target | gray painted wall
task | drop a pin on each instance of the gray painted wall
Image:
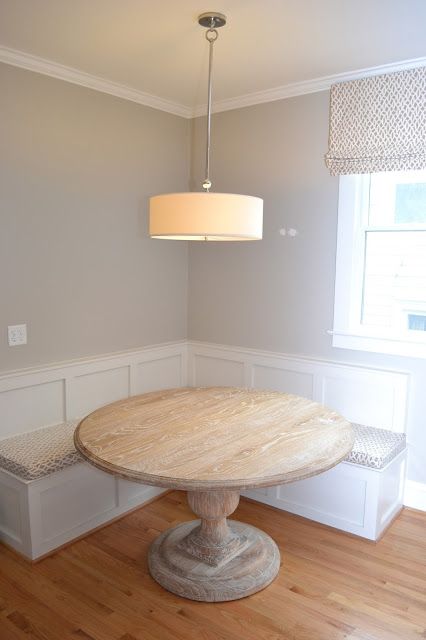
(278, 294)
(76, 169)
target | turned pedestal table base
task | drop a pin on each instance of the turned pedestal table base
(212, 442)
(214, 559)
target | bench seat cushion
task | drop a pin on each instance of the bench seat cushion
(375, 448)
(38, 453)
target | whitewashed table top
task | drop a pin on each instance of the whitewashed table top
(214, 438)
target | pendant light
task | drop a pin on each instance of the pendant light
(205, 215)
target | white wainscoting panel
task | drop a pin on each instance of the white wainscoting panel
(276, 379)
(151, 375)
(349, 497)
(26, 408)
(42, 515)
(97, 496)
(374, 397)
(129, 492)
(210, 371)
(10, 511)
(34, 398)
(314, 495)
(93, 390)
(365, 396)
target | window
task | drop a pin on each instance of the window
(380, 298)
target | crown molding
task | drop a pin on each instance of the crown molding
(307, 86)
(75, 76)
(69, 74)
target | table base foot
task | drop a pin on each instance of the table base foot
(253, 565)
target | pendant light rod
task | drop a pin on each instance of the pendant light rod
(207, 182)
(212, 21)
(206, 216)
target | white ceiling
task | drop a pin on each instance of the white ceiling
(157, 47)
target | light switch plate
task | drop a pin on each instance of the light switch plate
(17, 334)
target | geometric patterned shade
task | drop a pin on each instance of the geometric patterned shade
(378, 124)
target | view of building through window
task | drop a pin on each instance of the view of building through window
(394, 283)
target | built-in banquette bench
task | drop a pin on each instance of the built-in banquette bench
(58, 497)
(361, 495)
(49, 496)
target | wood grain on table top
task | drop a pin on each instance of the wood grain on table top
(214, 437)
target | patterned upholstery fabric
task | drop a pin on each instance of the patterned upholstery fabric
(375, 448)
(38, 453)
(378, 123)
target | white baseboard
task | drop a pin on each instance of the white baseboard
(415, 495)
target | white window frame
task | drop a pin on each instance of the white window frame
(348, 332)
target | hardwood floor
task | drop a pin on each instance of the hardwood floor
(331, 586)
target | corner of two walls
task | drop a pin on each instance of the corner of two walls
(77, 169)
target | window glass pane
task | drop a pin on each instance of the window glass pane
(416, 322)
(394, 278)
(397, 197)
(410, 202)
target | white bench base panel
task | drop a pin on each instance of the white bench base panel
(39, 516)
(349, 497)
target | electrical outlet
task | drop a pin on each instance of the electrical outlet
(17, 334)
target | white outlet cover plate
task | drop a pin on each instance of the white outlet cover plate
(17, 334)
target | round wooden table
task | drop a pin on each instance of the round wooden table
(213, 442)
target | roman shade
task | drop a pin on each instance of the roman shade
(378, 124)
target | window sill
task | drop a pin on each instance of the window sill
(376, 344)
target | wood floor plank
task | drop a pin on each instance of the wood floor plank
(331, 586)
